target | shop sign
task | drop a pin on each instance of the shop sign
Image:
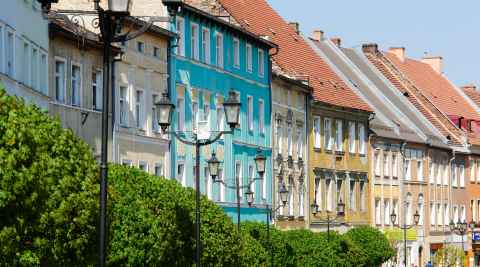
(476, 236)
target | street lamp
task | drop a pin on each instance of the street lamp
(232, 112)
(416, 220)
(283, 194)
(120, 6)
(260, 162)
(340, 213)
(460, 228)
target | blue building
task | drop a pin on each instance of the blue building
(213, 57)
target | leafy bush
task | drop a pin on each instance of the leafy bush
(449, 256)
(373, 242)
(48, 190)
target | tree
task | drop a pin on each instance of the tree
(48, 190)
(449, 256)
(373, 243)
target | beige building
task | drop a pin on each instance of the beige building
(289, 116)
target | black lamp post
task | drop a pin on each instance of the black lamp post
(283, 192)
(405, 227)
(164, 117)
(340, 213)
(110, 23)
(460, 228)
(260, 163)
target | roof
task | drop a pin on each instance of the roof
(294, 56)
(436, 87)
(473, 94)
(222, 22)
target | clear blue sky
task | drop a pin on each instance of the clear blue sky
(440, 27)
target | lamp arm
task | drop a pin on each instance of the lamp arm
(230, 186)
(145, 27)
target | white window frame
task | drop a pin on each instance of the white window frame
(222, 185)
(154, 124)
(157, 52)
(34, 71)
(236, 53)
(420, 169)
(25, 69)
(453, 171)
(2, 47)
(43, 75)
(279, 136)
(140, 44)
(220, 113)
(144, 163)
(194, 43)
(408, 169)
(386, 164)
(249, 57)
(352, 136)
(250, 116)
(98, 92)
(140, 112)
(162, 169)
(181, 36)
(361, 139)
(446, 214)
(318, 193)
(206, 45)
(363, 196)
(431, 172)
(433, 215)
(127, 162)
(261, 63)
(461, 171)
(261, 116)
(80, 84)
(394, 165)
(183, 179)
(317, 125)
(11, 72)
(376, 162)
(472, 170)
(219, 51)
(208, 183)
(299, 146)
(339, 135)
(478, 172)
(238, 172)
(251, 178)
(195, 112)
(352, 195)
(378, 211)
(386, 211)
(64, 61)
(180, 108)
(328, 133)
(289, 140)
(126, 105)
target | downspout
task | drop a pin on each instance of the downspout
(115, 158)
(169, 92)
(371, 183)
(272, 119)
(307, 161)
(450, 187)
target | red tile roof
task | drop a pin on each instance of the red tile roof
(436, 87)
(473, 94)
(295, 56)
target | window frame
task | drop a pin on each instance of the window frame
(64, 61)
(140, 113)
(194, 41)
(250, 116)
(98, 85)
(317, 134)
(180, 51)
(140, 47)
(126, 105)
(249, 57)
(261, 62)
(219, 50)
(206, 47)
(80, 83)
(236, 52)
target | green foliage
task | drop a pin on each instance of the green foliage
(449, 256)
(153, 224)
(48, 190)
(373, 243)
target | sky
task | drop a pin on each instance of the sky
(446, 28)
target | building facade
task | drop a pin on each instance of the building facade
(212, 58)
(24, 51)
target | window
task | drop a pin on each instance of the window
(289, 140)
(156, 52)
(127, 162)
(473, 210)
(159, 170)
(194, 41)
(10, 54)
(206, 110)
(301, 199)
(454, 174)
(2, 45)
(445, 174)
(395, 208)
(180, 108)
(76, 83)
(438, 173)
(463, 213)
(351, 136)
(446, 215)
(264, 188)
(361, 138)
(181, 174)
(142, 165)
(339, 135)
(220, 114)
(318, 193)
(409, 213)
(330, 200)
(316, 131)
(408, 169)
(462, 174)
(478, 171)
(431, 172)
(420, 209)
(97, 90)
(139, 109)
(219, 50)
(261, 116)
(363, 196)
(249, 59)
(386, 164)
(206, 45)
(222, 186)
(279, 136)
(238, 177)
(26, 63)
(290, 196)
(376, 161)
(208, 182)
(386, 213)
(250, 113)
(472, 171)
(43, 79)
(299, 143)
(394, 165)
(60, 80)
(123, 106)
(34, 69)
(194, 114)
(289, 98)
(439, 214)
(251, 180)
(378, 218)
(155, 99)
(181, 37)
(432, 214)
(236, 53)
(328, 133)
(140, 47)
(419, 169)
(351, 196)
(261, 63)
(300, 101)
(455, 213)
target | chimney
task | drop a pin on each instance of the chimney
(434, 62)
(337, 41)
(370, 48)
(295, 25)
(470, 87)
(399, 52)
(317, 35)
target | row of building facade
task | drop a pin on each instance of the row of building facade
(373, 130)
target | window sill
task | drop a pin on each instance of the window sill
(317, 149)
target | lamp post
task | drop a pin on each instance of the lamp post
(405, 227)
(260, 163)
(460, 228)
(283, 192)
(164, 116)
(109, 21)
(340, 213)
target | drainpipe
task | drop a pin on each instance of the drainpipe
(169, 92)
(306, 180)
(450, 187)
(115, 151)
(271, 132)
